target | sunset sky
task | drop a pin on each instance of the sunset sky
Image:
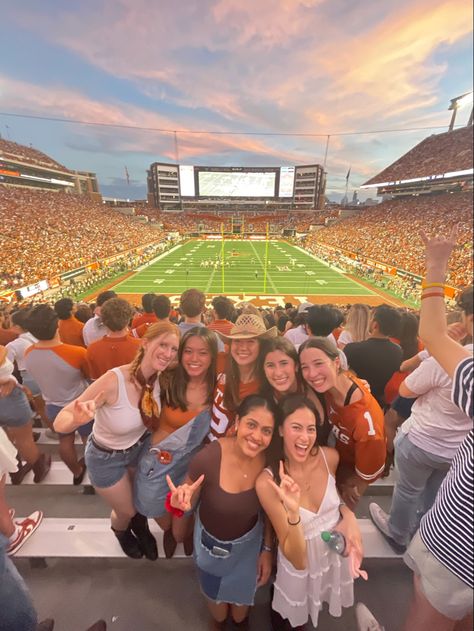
(262, 67)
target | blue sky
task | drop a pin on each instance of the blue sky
(272, 66)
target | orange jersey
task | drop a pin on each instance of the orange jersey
(360, 435)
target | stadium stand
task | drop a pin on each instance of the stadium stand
(389, 232)
(13, 151)
(45, 234)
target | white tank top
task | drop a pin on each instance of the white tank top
(119, 426)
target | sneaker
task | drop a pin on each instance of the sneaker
(366, 621)
(26, 527)
(51, 434)
(380, 520)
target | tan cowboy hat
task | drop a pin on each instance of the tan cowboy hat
(247, 326)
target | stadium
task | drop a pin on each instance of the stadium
(223, 402)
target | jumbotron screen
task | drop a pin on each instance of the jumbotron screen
(269, 182)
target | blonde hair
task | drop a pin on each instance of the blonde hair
(357, 323)
(153, 331)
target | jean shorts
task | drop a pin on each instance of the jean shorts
(84, 430)
(107, 468)
(15, 410)
(30, 383)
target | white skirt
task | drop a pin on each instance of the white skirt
(8, 461)
(300, 594)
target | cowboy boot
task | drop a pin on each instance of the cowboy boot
(146, 541)
(128, 543)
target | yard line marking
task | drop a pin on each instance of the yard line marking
(263, 267)
(211, 278)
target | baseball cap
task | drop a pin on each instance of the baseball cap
(304, 306)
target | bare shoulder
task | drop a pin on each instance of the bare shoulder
(332, 458)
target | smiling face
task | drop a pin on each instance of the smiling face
(318, 370)
(196, 357)
(299, 434)
(280, 371)
(159, 352)
(254, 431)
(245, 352)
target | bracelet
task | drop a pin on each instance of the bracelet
(293, 523)
(425, 285)
(432, 294)
(176, 512)
(266, 548)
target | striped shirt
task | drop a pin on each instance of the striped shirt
(446, 529)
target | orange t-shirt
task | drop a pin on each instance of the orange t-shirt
(110, 352)
(360, 435)
(70, 332)
(172, 419)
(222, 419)
(143, 318)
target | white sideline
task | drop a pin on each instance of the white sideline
(59, 474)
(92, 538)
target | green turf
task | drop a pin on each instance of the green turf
(181, 268)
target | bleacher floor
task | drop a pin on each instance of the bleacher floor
(156, 596)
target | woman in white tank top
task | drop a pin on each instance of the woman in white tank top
(125, 403)
(298, 493)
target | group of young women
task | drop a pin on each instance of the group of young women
(230, 454)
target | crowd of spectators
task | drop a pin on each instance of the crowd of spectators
(13, 151)
(435, 155)
(45, 234)
(390, 232)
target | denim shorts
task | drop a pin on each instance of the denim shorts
(53, 410)
(15, 410)
(107, 468)
(30, 383)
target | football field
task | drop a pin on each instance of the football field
(251, 270)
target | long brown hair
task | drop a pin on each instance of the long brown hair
(175, 394)
(269, 346)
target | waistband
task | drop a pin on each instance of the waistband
(118, 451)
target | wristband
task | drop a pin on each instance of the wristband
(293, 523)
(432, 294)
(425, 285)
(176, 512)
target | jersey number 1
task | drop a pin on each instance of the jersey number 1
(368, 418)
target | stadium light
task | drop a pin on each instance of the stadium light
(457, 103)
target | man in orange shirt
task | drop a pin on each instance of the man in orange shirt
(223, 309)
(117, 347)
(70, 329)
(148, 316)
(161, 308)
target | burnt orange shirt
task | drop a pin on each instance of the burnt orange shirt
(360, 435)
(143, 318)
(172, 419)
(70, 332)
(110, 352)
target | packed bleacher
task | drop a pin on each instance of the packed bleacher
(10, 150)
(435, 155)
(45, 234)
(390, 232)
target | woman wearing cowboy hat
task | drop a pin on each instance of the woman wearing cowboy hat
(240, 378)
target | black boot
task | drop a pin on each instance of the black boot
(169, 543)
(128, 543)
(243, 624)
(146, 541)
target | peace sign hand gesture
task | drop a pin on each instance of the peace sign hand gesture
(84, 411)
(181, 496)
(288, 491)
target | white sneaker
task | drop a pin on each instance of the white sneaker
(25, 528)
(380, 519)
(366, 621)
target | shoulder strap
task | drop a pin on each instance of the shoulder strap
(349, 394)
(325, 459)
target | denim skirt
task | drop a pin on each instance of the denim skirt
(227, 570)
(169, 457)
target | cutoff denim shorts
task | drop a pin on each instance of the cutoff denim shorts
(15, 410)
(106, 469)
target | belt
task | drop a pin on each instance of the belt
(118, 451)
